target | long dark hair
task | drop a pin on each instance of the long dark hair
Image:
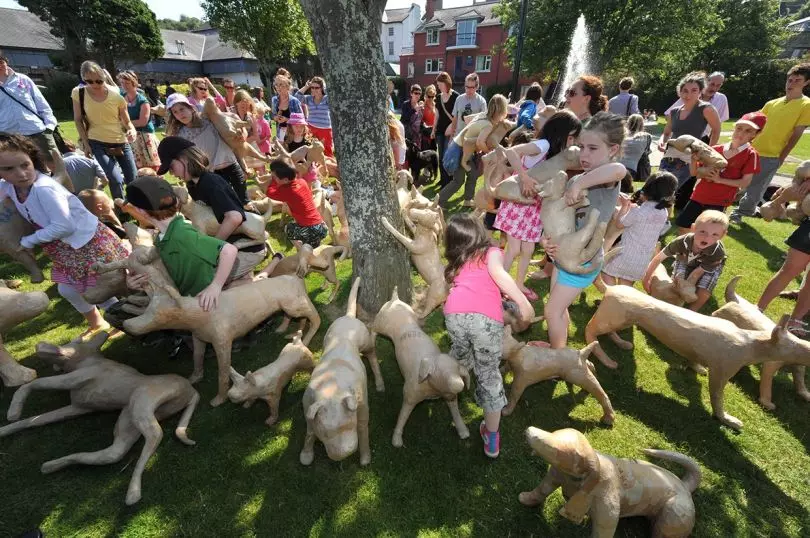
(466, 241)
(558, 128)
(13, 142)
(660, 187)
(593, 86)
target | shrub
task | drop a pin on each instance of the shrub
(57, 92)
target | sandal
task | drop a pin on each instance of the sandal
(538, 275)
(90, 333)
(530, 294)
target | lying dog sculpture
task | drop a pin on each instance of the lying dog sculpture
(531, 364)
(424, 249)
(306, 259)
(12, 228)
(336, 399)
(268, 383)
(747, 316)
(776, 207)
(608, 488)
(428, 372)
(710, 160)
(98, 384)
(238, 311)
(230, 128)
(16, 307)
(704, 341)
(202, 217)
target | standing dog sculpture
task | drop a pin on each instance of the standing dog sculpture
(230, 128)
(530, 365)
(16, 307)
(747, 316)
(98, 384)
(608, 488)
(320, 260)
(776, 207)
(268, 383)
(12, 228)
(428, 372)
(706, 342)
(336, 399)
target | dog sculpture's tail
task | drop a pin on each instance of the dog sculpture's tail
(182, 426)
(351, 309)
(584, 353)
(691, 480)
(731, 290)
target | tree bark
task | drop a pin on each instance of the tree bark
(347, 36)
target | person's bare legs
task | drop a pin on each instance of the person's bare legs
(512, 251)
(794, 264)
(526, 251)
(492, 420)
(802, 302)
(265, 273)
(556, 313)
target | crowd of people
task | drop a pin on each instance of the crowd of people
(116, 128)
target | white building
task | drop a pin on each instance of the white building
(396, 32)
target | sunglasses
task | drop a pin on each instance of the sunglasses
(202, 88)
(229, 87)
(416, 92)
(314, 87)
(96, 81)
(471, 87)
(570, 92)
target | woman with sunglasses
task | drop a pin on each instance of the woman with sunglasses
(230, 94)
(140, 113)
(411, 117)
(106, 132)
(283, 104)
(200, 89)
(318, 118)
(585, 98)
(429, 119)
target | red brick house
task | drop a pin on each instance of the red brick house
(458, 40)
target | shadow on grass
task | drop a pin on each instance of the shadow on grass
(753, 240)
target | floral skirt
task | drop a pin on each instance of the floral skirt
(72, 265)
(145, 150)
(520, 221)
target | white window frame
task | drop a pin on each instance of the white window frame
(464, 22)
(486, 63)
(390, 31)
(427, 37)
(390, 48)
(434, 65)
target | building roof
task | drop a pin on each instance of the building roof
(22, 29)
(799, 24)
(216, 49)
(445, 19)
(194, 45)
(396, 15)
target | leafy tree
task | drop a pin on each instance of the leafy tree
(185, 24)
(110, 30)
(274, 31)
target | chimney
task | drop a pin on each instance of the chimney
(431, 7)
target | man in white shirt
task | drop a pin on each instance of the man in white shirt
(624, 104)
(711, 94)
(24, 111)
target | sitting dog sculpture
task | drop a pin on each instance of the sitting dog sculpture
(424, 249)
(230, 128)
(428, 372)
(306, 259)
(13, 228)
(776, 207)
(747, 316)
(268, 383)
(98, 384)
(608, 488)
(710, 160)
(706, 342)
(531, 364)
(16, 307)
(336, 399)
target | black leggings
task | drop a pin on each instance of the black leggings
(236, 178)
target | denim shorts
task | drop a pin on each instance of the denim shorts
(452, 157)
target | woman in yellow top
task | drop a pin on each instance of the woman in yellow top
(101, 117)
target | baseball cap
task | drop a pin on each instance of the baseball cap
(168, 150)
(151, 193)
(175, 98)
(756, 120)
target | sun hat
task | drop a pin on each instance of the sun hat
(175, 98)
(756, 120)
(168, 150)
(297, 118)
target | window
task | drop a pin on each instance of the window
(465, 32)
(390, 31)
(390, 48)
(433, 36)
(410, 69)
(483, 63)
(434, 65)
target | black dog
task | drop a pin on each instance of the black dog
(424, 164)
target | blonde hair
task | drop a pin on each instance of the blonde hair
(430, 89)
(283, 80)
(635, 124)
(197, 162)
(192, 85)
(129, 76)
(712, 216)
(173, 125)
(90, 198)
(393, 128)
(243, 95)
(89, 67)
(610, 127)
(497, 106)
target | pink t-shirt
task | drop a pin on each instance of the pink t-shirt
(474, 291)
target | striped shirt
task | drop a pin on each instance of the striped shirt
(318, 113)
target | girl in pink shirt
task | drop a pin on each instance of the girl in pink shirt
(474, 315)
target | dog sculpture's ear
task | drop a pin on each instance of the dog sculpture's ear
(236, 377)
(250, 378)
(50, 351)
(426, 367)
(780, 328)
(350, 401)
(313, 410)
(395, 294)
(296, 338)
(465, 375)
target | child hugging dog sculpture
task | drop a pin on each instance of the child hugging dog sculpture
(777, 208)
(608, 488)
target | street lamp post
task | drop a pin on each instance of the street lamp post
(524, 7)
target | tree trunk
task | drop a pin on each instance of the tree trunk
(347, 36)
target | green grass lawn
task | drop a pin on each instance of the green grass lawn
(244, 479)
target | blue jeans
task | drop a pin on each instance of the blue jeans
(677, 168)
(441, 144)
(126, 162)
(759, 184)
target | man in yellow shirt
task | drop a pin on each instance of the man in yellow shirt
(788, 117)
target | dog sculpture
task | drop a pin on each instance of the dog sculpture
(230, 129)
(424, 249)
(304, 157)
(268, 383)
(16, 307)
(675, 292)
(306, 259)
(336, 399)
(13, 228)
(509, 189)
(428, 372)
(747, 316)
(776, 207)
(98, 384)
(608, 488)
(706, 342)
(531, 364)
(710, 160)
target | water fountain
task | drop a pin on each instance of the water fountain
(577, 63)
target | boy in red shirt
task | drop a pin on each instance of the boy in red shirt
(718, 190)
(308, 226)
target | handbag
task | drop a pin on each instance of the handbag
(55, 132)
(643, 168)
